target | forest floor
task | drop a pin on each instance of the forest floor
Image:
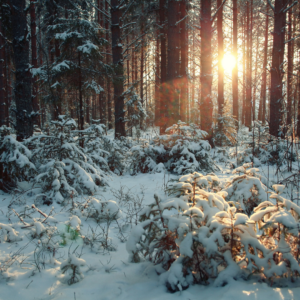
(31, 273)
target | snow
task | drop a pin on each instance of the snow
(112, 274)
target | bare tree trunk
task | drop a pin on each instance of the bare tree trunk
(183, 63)
(206, 104)
(235, 91)
(108, 82)
(2, 77)
(290, 70)
(276, 69)
(172, 67)
(118, 80)
(244, 72)
(220, 57)
(157, 77)
(24, 124)
(81, 112)
(248, 71)
(35, 101)
(262, 106)
(163, 70)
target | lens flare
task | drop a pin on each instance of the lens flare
(228, 62)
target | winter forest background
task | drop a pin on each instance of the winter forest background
(149, 146)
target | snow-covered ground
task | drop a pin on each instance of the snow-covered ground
(28, 273)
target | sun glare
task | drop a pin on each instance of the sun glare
(228, 62)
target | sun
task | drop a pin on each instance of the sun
(228, 62)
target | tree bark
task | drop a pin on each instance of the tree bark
(276, 69)
(118, 80)
(35, 101)
(290, 70)
(262, 106)
(206, 104)
(163, 68)
(235, 91)
(2, 77)
(183, 63)
(24, 120)
(220, 57)
(248, 70)
(171, 93)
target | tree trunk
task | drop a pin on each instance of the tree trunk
(183, 63)
(206, 104)
(108, 82)
(248, 71)
(157, 77)
(81, 112)
(24, 120)
(35, 101)
(171, 93)
(220, 57)
(235, 91)
(118, 80)
(290, 70)
(276, 69)
(163, 68)
(2, 77)
(262, 106)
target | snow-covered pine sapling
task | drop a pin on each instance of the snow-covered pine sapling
(53, 183)
(71, 268)
(189, 185)
(15, 158)
(280, 225)
(186, 149)
(64, 164)
(94, 145)
(246, 191)
(144, 158)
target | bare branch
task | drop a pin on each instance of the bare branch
(288, 8)
(215, 15)
(273, 8)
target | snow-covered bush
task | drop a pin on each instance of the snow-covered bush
(101, 211)
(246, 191)
(145, 157)
(53, 183)
(71, 268)
(95, 140)
(117, 152)
(15, 158)
(186, 151)
(64, 167)
(203, 236)
(226, 131)
(9, 234)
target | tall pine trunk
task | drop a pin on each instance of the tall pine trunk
(118, 80)
(220, 57)
(248, 69)
(206, 104)
(235, 92)
(2, 77)
(263, 97)
(276, 69)
(22, 91)
(163, 68)
(172, 67)
(183, 63)
(290, 70)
